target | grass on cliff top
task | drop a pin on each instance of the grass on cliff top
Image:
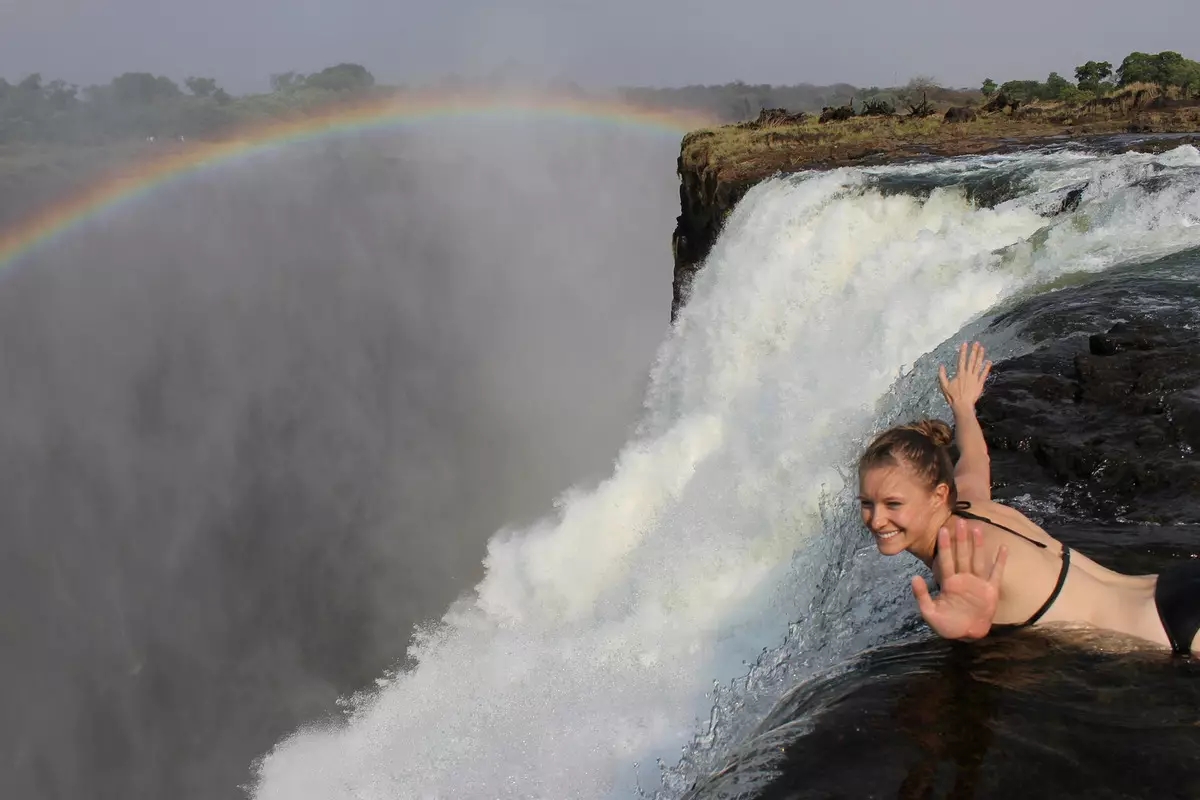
(747, 151)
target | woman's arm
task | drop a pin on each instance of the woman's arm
(973, 473)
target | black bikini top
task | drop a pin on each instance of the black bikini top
(962, 509)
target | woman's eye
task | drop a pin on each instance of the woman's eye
(893, 504)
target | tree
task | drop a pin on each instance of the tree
(1136, 68)
(1171, 67)
(917, 86)
(142, 88)
(989, 87)
(1023, 91)
(1090, 75)
(342, 77)
(24, 104)
(1147, 68)
(1167, 68)
(31, 84)
(1191, 80)
(202, 87)
(915, 94)
(60, 95)
(1184, 74)
(1056, 87)
(285, 81)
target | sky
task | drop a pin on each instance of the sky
(617, 42)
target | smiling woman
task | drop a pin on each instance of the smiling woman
(911, 494)
(894, 471)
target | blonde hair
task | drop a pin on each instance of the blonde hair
(924, 445)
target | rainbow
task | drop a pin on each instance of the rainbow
(140, 179)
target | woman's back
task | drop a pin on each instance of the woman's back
(1090, 593)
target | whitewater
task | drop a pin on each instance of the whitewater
(618, 645)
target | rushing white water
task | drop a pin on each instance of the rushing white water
(591, 647)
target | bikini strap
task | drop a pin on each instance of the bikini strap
(962, 509)
(1062, 578)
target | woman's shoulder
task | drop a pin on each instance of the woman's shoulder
(1008, 517)
(1014, 520)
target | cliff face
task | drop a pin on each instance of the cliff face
(705, 200)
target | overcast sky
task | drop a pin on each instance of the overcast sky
(594, 42)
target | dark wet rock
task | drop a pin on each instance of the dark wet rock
(1113, 421)
(959, 114)
(705, 202)
(1071, 201)
(836, 114)
(1017, 716)
(1064, 201)
(1160, 144)
(1000, 102)
(768, 117)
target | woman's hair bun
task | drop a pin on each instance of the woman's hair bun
(937, 431)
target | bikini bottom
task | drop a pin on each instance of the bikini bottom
(1177, 596)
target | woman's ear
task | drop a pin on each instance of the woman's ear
(941, 493)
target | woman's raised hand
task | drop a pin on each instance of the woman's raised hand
(967, 385)
(966, 604)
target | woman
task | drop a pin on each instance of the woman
(1007, 572)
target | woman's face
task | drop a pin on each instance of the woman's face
(899, 509)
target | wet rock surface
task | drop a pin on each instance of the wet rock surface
(1019, 716)
(1112, 421)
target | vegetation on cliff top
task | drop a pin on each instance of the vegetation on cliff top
(1145, 91)
(1159, 92)
(139, 105)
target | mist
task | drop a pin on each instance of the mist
(259, 422)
